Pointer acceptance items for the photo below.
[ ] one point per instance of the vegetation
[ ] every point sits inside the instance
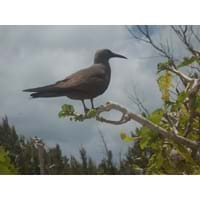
(179, 83)
(166, 143)
(5, 165)
(21, 156)
(169, 136)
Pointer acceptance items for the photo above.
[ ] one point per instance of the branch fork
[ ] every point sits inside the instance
(113, 106)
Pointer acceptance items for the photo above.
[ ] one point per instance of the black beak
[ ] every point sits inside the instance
(118, 56)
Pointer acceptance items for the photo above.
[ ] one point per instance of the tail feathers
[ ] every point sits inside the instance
(40, 89)
(44, 94)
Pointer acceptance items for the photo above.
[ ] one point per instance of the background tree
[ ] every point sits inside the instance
(22, 156)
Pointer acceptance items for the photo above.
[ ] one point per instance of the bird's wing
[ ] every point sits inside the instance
(83, 79)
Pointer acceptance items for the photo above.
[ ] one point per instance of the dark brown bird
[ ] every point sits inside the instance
(84, 84)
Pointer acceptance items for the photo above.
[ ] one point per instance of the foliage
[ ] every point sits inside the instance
(189, 60)
(165, 82)
(69, 111)
(21, 157)
(150, 152)
(156, 154)
(6, 167)
(165, 155)
(126, 138)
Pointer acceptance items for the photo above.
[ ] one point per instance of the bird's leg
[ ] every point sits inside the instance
(85, 108)
(92, 103)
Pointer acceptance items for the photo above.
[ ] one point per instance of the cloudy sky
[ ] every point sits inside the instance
(32, 56)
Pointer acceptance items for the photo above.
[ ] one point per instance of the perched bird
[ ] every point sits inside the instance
(84, 84)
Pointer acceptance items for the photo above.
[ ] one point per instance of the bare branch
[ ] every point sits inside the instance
(195, 87)
(135, 36)
(195, 35)
(184, 34)
(104, 142)
(195, 68)
(138, 102)
(147, 38)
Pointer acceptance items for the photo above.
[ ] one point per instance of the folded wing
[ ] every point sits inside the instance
(90, 80)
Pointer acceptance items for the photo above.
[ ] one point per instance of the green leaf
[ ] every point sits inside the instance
(179, 101)
(146, 137)
(91, 113)
(156, 116)
(136, 168)
(66, 110)
(197, 103)
(155, 163)
(181, 97)
(127, 138)
(69, 109)
(163, 66)
(187, 61)
(61, 114)
(79, 118)
(156, 145)
(184, 153)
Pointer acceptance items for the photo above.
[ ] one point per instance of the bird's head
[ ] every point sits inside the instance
(104, 55)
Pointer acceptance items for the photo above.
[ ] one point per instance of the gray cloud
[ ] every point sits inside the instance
(32, 56)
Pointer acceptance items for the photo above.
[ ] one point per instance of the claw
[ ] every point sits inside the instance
(86, 110)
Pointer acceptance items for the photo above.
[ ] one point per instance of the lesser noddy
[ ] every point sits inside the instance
(84, 84)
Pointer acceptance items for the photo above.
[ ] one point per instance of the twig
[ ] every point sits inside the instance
(173, 125)
(184, 35)
(148, 39)
(104, 142)
(195, 35)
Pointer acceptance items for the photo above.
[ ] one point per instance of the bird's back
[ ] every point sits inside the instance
(87, 83)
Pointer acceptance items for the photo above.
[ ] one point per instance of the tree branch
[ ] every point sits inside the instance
(180, 74)
(112, 106)
(172, 122)
(195, 35)
(184, 34)
(128, 116)
(147, 38)
(104, 142)
(138, 102)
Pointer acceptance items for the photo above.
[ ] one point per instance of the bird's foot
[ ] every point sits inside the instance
(86, 110)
